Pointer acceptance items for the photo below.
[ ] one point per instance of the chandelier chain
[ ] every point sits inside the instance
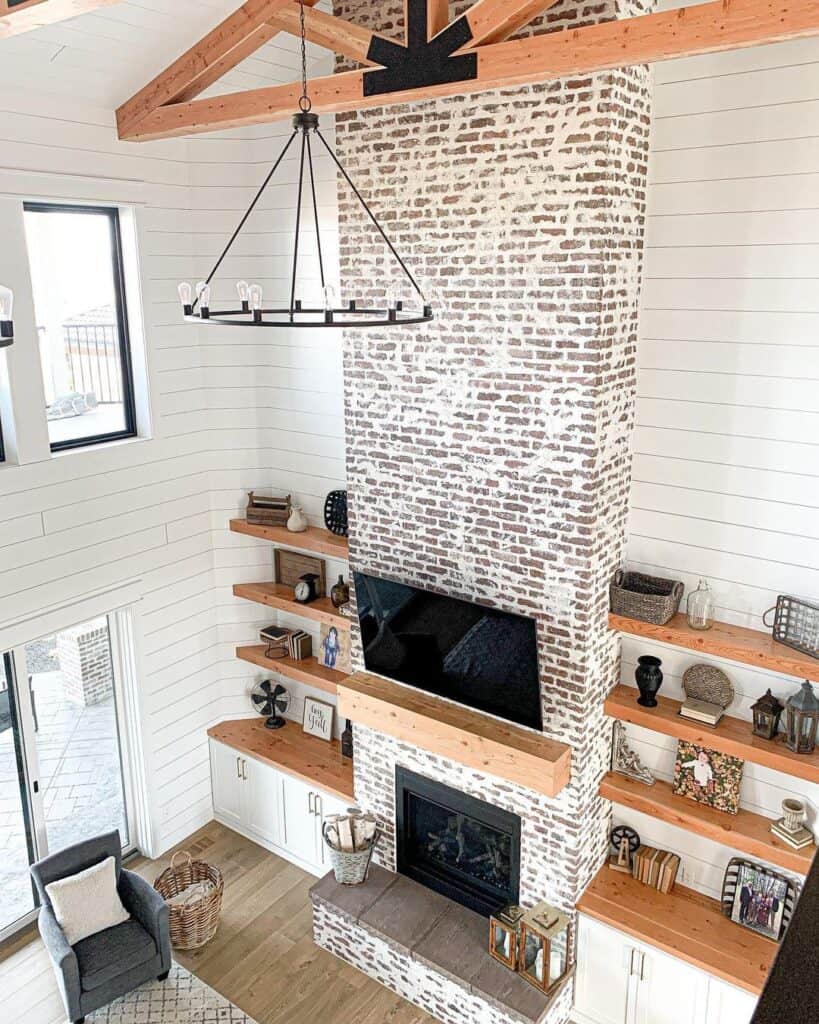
(304, 100)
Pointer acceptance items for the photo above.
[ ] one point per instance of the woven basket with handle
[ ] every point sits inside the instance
(635, 595)
(195, 923)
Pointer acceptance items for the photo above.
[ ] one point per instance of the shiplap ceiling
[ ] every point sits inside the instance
(107, 55)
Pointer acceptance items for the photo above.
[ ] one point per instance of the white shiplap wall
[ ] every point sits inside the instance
(726, 464)
(229, 413)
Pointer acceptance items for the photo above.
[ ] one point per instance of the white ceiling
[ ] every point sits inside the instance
(104, 57)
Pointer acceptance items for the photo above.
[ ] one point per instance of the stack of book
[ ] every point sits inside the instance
(702, 711)
(286, 643)
(655, 868)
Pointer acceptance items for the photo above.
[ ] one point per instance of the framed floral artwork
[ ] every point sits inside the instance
(708, 777)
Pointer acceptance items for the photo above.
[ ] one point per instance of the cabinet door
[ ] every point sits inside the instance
(327, 805)
(227, 784)
(729, 1005)
(606, 961)
(299, 819)
(669, 991)
(262, 800)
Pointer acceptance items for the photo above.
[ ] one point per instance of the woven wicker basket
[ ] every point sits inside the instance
(350, 868)
(195, 923)
(647, 598)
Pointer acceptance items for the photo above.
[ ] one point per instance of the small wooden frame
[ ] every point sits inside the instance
(290, 566)
(318, 718)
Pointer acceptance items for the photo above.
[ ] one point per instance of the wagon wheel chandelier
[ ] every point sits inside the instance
(252, 312)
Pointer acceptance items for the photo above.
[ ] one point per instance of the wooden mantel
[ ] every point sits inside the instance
(487, 744)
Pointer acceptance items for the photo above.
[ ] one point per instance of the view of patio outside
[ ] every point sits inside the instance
(79, 758)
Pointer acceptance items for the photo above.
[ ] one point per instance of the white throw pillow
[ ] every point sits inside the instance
(88, 902)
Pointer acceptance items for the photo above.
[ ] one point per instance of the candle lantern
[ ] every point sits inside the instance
(801, 720)
(767, 711)
(543, 956)
(504, 935)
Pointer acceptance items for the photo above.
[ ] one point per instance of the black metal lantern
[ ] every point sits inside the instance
(767, 711)
(397, 310)
(802, 720)
(6, 321)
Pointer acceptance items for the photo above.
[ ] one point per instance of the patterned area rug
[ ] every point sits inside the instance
(182, 999)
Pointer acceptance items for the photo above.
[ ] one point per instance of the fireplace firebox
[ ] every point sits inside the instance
(459, 846)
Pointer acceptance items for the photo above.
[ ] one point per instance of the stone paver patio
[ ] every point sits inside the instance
(80, 778)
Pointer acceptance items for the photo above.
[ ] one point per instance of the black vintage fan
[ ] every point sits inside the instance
(272, 700)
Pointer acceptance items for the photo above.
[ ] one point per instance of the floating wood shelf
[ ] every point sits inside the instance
(731, 736)
(723, 640)
(468, 737)
(290, 749)
(684, 924)
(312, 539)
(746, 831)
(280, 596)
(307, 671)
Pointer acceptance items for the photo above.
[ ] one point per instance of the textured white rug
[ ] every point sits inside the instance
(182, 999)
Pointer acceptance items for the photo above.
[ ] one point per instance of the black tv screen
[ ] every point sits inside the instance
(477, 656)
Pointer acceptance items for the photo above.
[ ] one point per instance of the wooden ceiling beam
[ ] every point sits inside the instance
(23, 17)
(437, 16)
(234, 39)
(705, 28)
(336, 34)
(492, 21)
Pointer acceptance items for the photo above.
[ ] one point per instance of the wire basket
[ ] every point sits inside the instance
(796, 624)
(634, 595)
(191, 924)
(350, 867)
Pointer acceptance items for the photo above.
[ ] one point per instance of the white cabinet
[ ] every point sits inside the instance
(620, 980)
(271, 807)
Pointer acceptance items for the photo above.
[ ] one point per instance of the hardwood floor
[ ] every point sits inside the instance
(263, 958)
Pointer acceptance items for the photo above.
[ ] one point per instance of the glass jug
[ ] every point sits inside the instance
(699, 608)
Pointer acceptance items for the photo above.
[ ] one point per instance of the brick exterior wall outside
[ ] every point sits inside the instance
(84, 655)
(489, 453)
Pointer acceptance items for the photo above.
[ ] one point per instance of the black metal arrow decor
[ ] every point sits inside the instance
(422, 61)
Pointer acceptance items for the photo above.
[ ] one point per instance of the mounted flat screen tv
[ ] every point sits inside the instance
(477, 656)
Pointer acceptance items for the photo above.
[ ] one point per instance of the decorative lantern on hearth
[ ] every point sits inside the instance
(504, 935)
(767, 711)
(802, 720)
(543, 956)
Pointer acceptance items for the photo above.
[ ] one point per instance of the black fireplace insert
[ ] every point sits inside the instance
(460, 846)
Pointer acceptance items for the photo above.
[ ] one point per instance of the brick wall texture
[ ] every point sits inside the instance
(489, 452)
(84, 656)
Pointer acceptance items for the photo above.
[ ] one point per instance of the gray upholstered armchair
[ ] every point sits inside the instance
(111, 963)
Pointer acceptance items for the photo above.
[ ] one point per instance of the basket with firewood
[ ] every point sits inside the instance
(351, 839)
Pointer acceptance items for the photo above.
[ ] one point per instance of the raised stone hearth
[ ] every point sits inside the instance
(427, 949)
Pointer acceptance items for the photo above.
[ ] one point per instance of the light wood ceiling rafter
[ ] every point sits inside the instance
(168, 106)
(16, 18)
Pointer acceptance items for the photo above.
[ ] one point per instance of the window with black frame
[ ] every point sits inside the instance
(75, 258)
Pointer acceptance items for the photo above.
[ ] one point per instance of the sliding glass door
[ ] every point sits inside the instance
(62, 764)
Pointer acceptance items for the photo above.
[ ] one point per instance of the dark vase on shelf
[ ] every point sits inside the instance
(340, 594)
(347, 741)
(649, 676)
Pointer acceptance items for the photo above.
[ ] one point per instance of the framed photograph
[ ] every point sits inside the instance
(758, 898)
(318, 718)
(708, 777)
(334, 649)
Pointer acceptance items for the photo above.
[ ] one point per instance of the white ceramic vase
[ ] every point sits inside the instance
(297, 523)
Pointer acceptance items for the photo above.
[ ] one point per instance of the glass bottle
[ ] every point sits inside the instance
(699, 608)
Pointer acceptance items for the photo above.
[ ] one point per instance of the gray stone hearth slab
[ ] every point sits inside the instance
(424, 937)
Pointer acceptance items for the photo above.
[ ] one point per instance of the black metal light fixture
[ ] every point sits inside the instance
(6, 321)
(251, 311)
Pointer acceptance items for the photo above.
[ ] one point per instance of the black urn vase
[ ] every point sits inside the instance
(649, 676)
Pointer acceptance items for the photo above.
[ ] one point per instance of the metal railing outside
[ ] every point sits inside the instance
(93, 355)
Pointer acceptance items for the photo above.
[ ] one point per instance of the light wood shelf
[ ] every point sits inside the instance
(500, 748)
(307, 670)
(748, 832)
(683, 923)
(308, 758)
(314, 538)
(731, 736)
(723, 640)
(280, 597)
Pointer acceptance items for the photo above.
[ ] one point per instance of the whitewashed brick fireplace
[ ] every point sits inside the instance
(488, 453)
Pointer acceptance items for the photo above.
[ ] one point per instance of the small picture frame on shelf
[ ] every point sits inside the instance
(334, 648)
(758, 898)
(318, 718)
(708, 777)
